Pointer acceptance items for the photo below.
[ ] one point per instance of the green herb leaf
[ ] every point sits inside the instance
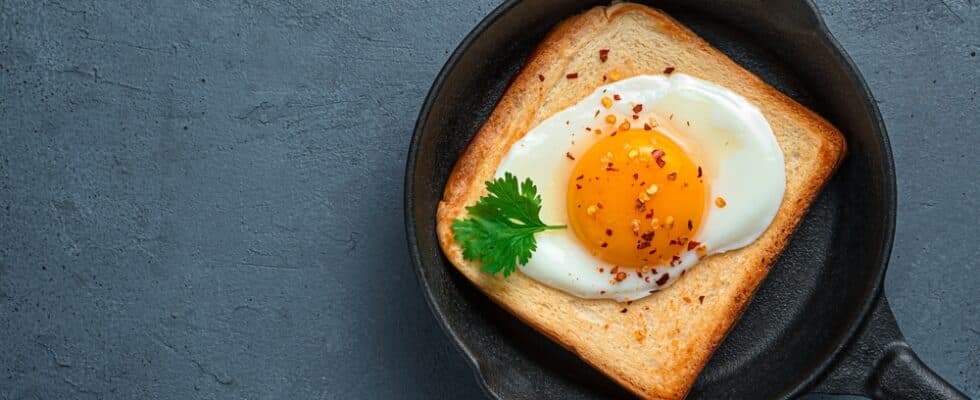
(501, 227)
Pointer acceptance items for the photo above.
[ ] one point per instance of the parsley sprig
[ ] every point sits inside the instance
(501, 226)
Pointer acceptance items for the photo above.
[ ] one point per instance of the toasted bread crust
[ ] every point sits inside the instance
(657, 348)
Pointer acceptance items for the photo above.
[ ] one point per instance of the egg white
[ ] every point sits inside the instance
(724, 133)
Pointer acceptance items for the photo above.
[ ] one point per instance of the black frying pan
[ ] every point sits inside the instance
(819, 323)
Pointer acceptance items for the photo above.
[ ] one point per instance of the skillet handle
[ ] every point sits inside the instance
(879, 364)
(900, 374)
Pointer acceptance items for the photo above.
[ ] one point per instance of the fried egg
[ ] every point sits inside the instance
(650, 175)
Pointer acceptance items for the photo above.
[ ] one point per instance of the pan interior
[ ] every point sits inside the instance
(811, 298)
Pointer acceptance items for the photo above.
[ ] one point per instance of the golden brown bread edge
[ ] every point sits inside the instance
(655, 346)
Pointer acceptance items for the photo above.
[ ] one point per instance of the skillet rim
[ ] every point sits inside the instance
(887, 174)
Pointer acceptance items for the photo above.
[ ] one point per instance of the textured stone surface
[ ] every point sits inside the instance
(185, 208)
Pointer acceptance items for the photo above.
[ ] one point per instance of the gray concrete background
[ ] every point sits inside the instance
(185, 210)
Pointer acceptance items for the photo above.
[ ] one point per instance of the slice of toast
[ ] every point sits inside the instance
(659, 345)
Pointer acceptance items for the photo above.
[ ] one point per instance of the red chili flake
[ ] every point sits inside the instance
(620, 276)
(663, 279)
(572, 75)
(653, 271)
(673, 242)
(690, 225)
(616, 97)
(598, 205)
(669, 70)
(683, 272)
(647, 127)
(648, 236)
(654, 251)
(636, 116)
(693, 244)
(603, 78)
(608, 232)
(614, 133)
(604, 245)
(640, 206)
(577, 186)
(638, 275)
(588, 129)
(614, 270)
(658, 156)
(541, 77)
(675, 260)
(611, 169)
(642, 245)
(701, 299)
(580, 177)
(603, 55)
(602, 292)
(623, 311)
(670, 177)
(636, 176)
(637, 108)
(602, 269)
(644, 183)
(699, 171)
(648, 215)
(569, 155)
(647, 279)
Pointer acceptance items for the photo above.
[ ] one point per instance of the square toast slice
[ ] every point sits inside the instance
(657, 348)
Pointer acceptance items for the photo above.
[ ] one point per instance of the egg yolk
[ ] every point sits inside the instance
(635, 199)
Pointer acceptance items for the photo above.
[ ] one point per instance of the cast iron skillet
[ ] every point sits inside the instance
(819, 323)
